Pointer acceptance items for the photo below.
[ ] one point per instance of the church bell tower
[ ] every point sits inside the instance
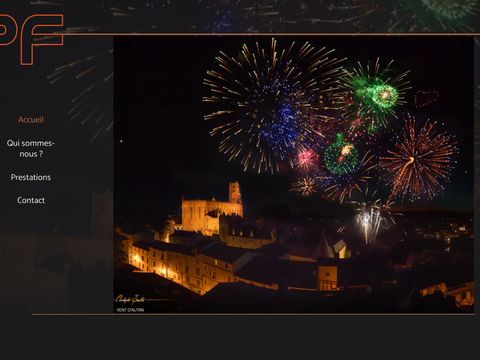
(234, 195)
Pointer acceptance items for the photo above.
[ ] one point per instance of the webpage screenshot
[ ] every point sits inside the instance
(284, 170)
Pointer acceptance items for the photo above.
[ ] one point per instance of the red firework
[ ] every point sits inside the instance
(306, 159)
(420, 162)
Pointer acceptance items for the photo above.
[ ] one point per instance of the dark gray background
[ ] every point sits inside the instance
(83, 167)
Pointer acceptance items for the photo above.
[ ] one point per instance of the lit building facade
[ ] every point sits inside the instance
(220, 265)
(202, 267)
(463, 294)
(327, 278)
(236, 232)
(203, 215)
(175, 262)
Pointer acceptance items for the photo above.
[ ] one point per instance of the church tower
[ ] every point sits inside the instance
(234, 195)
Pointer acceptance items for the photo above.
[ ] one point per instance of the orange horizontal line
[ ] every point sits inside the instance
(254, 314)
(266, 34)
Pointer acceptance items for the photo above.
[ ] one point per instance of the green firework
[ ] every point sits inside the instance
(369, 95)
(450, 9)
(341, 157)
(378, 96)
(384, 96)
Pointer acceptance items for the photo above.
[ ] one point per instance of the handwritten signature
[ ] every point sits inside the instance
(129, 299)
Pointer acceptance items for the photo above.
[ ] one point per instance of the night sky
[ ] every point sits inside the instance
(162, 144)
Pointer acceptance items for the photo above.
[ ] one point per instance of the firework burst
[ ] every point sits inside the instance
(243, 15)
(269, 15)
(407, 15)
(306, 160)
(451, 9)
(305, 186)
(420, 161)
(168, 15)
(344, 185)
(341, 157)
(77, 13)
(269, 103)
(369, 95)
(91, 77)
(372, 216)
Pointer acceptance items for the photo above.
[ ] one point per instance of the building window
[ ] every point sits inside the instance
(216, 262)
(226, 265)
(186, 269)
(154, 263)
(161, 256)
(327, 274)
(198, 272)
(142, 258)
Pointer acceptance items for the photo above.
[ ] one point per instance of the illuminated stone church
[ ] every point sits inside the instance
(204, 215)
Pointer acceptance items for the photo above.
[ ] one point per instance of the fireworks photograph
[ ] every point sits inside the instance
(295, 174)
(265, 16)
